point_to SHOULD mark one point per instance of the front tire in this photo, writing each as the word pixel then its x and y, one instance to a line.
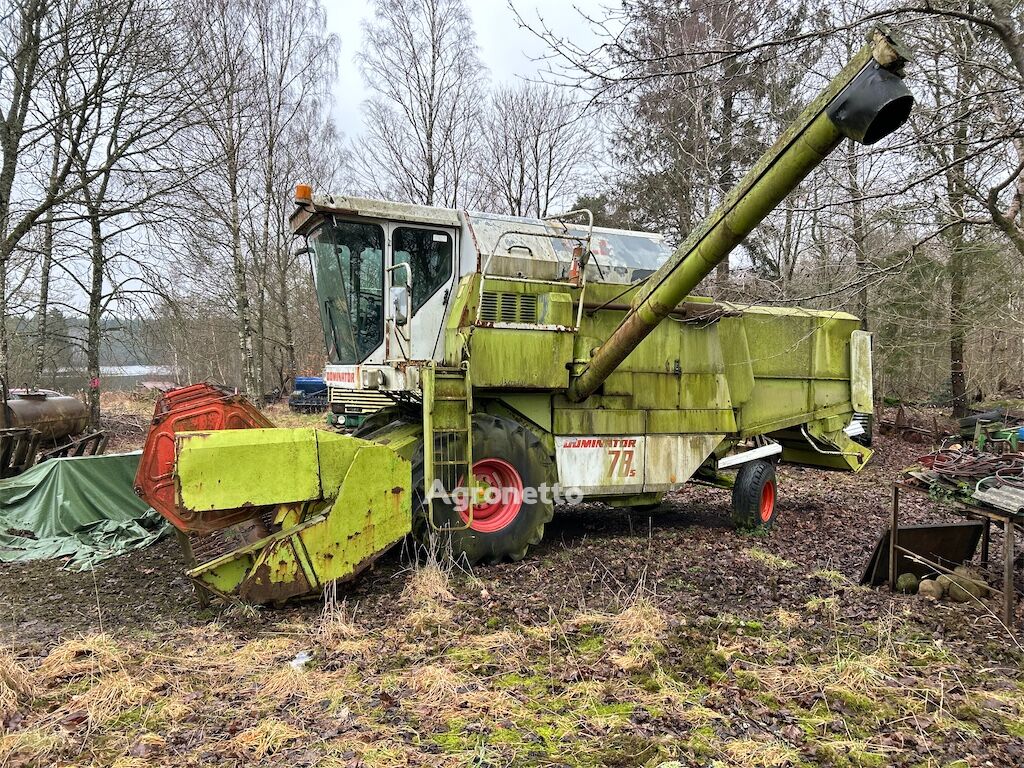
pixel 512 460
pixel 754 495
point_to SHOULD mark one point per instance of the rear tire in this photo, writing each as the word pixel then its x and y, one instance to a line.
pixel 754 495
pixel 510 454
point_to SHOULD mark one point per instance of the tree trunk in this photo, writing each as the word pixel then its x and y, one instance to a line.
pixel 44 301
pixel 291 366
pixel 859 233
pixel 956 238
pixel 245 346
pixel 92 347
pixel 45 268
pixel 727 173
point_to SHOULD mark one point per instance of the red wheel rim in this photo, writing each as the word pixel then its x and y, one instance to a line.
pixel 503 496
pixel 767 501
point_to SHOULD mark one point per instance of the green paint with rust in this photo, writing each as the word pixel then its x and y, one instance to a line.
pixel 800 149
pixel 750 371
pixel 636 361
pixel 356 498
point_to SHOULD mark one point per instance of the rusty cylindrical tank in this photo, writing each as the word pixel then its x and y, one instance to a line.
pixel 53 415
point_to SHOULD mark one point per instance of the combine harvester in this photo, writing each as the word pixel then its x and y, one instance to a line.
pixel 519 356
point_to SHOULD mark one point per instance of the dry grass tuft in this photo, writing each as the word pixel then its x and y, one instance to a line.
pixel 82 657
pixel 769 559
pixel 428 583
pixel 304 683
pixel 335 626
pixel 32 746
pixel 434 682
pixel 428 617
pixel 640 623
pixel 867 674
pixel 131 762
pixel 288 682
pixel 488 702
pixel 510 650
pixel 15 683
pixel 256 654
pixel 747 753
pixel 426 592
pixel 268 737
pixel 788 619
pixel 634 633
pixel 112 695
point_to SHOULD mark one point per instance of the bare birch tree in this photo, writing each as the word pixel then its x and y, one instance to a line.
pixel 536 148
pixel 419 59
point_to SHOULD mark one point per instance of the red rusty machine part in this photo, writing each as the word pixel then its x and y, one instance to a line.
pixel 197 408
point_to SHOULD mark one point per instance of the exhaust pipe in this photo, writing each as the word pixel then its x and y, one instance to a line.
pixel 866 102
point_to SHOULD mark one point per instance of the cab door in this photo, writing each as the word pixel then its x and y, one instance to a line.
pixel 430 253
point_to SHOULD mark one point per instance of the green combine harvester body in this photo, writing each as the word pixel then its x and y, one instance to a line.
pixel 510 364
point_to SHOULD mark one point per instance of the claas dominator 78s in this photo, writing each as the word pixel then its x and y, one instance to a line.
pixel 523 362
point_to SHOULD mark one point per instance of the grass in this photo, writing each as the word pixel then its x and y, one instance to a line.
pixel 769 559
pixel 268 737
pixel 111 696
pixel 15 683
pixel 628 684
pixel 336 628
pixel 82 657
pixel 744 753
pixel 428 595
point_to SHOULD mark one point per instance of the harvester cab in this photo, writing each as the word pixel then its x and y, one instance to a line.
pixel 514 364
pixel 388 276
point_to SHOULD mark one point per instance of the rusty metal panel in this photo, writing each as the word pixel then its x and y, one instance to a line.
pixel 599 421
pixel 671 460
pixel 235 468
pixel 601 465
pixel 526 358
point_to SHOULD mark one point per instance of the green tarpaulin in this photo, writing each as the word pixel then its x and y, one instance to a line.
pixel 80 508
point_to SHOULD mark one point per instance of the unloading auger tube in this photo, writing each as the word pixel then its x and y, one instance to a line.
pixel 865 102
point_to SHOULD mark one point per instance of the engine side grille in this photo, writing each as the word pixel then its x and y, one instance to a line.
pixel 527 308
pixel 358 401
pixel 498 307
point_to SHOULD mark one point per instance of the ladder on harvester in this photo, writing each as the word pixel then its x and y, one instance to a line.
pixel 448 440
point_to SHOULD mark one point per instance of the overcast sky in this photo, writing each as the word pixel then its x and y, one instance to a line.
pixel 505 49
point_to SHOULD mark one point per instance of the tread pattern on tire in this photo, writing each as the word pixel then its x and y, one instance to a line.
pixel 746 494
pixel 493 437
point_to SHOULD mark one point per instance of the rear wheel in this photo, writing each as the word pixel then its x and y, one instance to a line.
pixel 511 468
pixel 754 495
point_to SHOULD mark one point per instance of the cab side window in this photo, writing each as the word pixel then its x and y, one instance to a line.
pixel 429 253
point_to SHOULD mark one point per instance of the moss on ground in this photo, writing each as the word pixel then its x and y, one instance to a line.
pixel 618 687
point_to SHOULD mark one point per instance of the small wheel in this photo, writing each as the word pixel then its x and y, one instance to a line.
pixel 753 495
pixel 510 466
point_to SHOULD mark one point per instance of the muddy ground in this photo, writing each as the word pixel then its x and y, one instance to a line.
pixel 623 639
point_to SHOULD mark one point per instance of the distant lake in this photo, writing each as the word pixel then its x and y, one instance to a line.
pixel 135 370
pixel 114 377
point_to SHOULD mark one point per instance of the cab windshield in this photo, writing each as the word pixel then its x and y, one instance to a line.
pixel 349 269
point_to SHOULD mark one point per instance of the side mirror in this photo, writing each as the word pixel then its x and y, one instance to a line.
pixel 400 304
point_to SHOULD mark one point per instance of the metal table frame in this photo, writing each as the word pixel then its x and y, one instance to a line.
pixel 987 515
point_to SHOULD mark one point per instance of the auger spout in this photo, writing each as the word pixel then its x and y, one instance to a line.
pixel 865 102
